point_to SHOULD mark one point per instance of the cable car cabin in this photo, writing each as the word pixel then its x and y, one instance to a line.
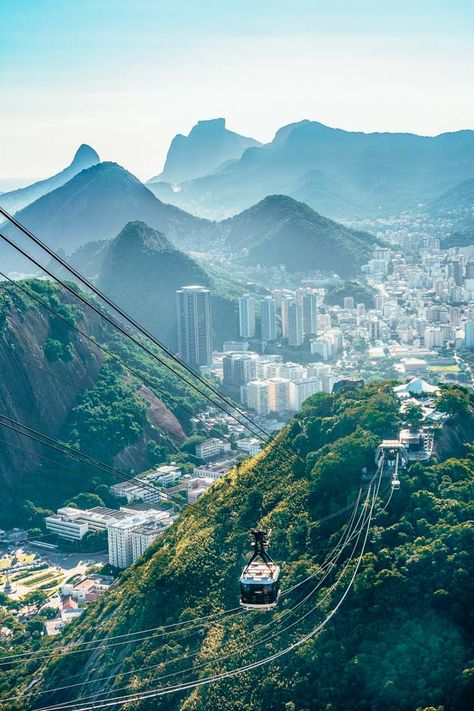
pixel 259 585
pixel 396 484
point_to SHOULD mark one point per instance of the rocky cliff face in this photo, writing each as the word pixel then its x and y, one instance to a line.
pixel 58 382
pixel 34 390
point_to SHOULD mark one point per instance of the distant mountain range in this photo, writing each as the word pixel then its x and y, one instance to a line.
pixel 96 204
pixel 15 200
pixel 342 174
pixel 93 207
pixel 208 146
pixel 280 230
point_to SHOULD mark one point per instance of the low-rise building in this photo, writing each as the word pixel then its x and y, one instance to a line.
pixel 211 448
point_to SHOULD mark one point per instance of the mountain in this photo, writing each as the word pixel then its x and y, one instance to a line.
pixel 97 203
pixel 141 270
pixel 280 230
pixel 455 202
pixel 343 174
pixel 399 639
pixel 15 200
pixel 58 382
pixel 206 148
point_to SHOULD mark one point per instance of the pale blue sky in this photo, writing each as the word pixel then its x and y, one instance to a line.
pixel 126 75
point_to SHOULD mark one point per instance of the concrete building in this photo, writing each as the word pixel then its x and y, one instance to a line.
pixel 239 369
pixel 127 538
pixel 469 334
pixel 134 491
pixel 246 316
pixel 211 448
pixel 268 318
pixel 194 325
pixel 310 312
pixel 72 524
pixel 256 396
pixel 433 336
pixel 251 445
pixel 295 324
pixel 278 394
pixel 302 389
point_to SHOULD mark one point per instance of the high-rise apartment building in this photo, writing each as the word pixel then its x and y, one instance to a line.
pixel 295 323
pixel 278 394
pixel 310 312
pixel 469 334
pixel 256 396
pixel 247 316
pixel 268 318
pixel 194 325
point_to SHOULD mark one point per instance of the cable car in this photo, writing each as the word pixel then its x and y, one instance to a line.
pixel 259 586
pixel 395 483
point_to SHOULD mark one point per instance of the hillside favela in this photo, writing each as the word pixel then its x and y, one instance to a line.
pixel 236 355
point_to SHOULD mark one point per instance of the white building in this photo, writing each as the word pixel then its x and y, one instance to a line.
pixel 251 445
pixel 302 389
pixel 72 524
pixel 469 334
pixel 256 396
pixel 134 491
pixel 433 337
pixel 278 394
pixel 310 312
pixel 295 324
pixel 127 538
pixel 247 316
pixel 268 318
pixel 193 304
pixel 211 448
pixel 322 347
pixel 165 475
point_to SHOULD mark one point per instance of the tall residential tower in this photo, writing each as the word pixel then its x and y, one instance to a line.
pixel 193 305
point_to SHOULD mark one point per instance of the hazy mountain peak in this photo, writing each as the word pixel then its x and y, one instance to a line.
pixel 15 200
pixel 208 145
pixel 138 235
pixel 85 154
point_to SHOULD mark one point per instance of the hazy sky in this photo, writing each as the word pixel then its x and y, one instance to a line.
pixel 126 75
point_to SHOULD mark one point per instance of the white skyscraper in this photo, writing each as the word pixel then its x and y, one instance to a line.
pixel 194 325
pixel 469 334
pixel 310 312
pixel 295 324
pixel 268 318
pixel 247 316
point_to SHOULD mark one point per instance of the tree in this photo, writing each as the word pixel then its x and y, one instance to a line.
pixel 454 401
pixel 413 415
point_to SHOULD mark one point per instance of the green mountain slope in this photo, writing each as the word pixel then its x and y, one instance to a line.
pixel 402 639
pixel 280 230
pixel 56 381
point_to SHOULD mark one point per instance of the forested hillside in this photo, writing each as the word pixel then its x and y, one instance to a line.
pixel 57 381
pixel 400 641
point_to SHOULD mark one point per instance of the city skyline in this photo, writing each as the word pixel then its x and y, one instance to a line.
pixel 126 78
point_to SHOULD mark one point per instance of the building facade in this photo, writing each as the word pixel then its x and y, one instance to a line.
pixel 193 305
